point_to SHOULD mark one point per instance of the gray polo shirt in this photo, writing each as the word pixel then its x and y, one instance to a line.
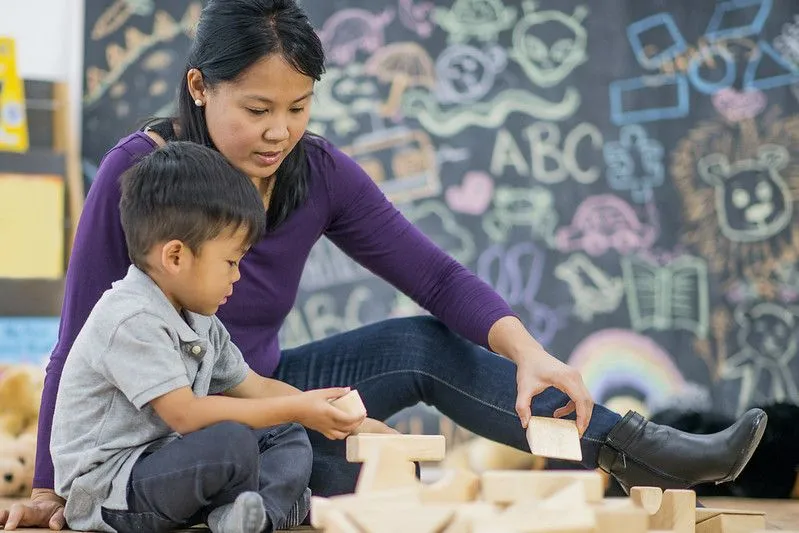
pixel 133 348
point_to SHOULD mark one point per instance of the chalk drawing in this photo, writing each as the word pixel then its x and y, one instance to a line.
pixel 725 22
pixel 401 161
pixel 594 291
pixel 765 52
pixel 416 17
pixel 440 225
pixel 340 97
pixel 515 273
pixel 117 14
pixel 644 89
pixel 530 207
pixel 787 42
pixel 422 106
pixel 667 297
pixel 482 19
pixel 349 31
pixel 634 163
pixel 548 64
pixel 27 339
pixel 473 196
pixel 736 106
pixel 466 74
pixel 767 341
pixel 605 222
pixel 403 65
pixel 656 59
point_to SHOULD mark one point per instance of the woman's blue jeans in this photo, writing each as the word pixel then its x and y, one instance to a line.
pixel 399 362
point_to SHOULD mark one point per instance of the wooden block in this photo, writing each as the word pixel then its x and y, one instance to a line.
pixel 570 496
pixel 554 437
pixel 402 518
pixel 468 513
pixel 506 486
pixel 458 485
pixel 338 522
pixel 677 512
pixel 351 403
pixel 408 447
pixel 706 513
pixel 728 523
pixel 532 518
pixel 648 498
pixel 385 468
pixel 621 519
pixel 320 509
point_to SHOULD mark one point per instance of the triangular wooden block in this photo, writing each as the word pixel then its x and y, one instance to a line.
pixel 554 437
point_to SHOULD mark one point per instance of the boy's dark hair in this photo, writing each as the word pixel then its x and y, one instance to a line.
pixel 188 192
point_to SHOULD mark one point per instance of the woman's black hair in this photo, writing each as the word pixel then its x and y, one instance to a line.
pixel 231 36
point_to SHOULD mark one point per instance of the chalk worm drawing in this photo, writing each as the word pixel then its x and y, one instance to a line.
pixel 667 297
pixel 515 273
pixel 530 207
pixel 473 196
pixel 401 161
pixel 738 183
pixel 117 14
pixel 767 343
pixel 403 65
pixel 349 31
pixel 422 106
pixel 482 19
pixel 550 160
pixel 602 223
pixel 416 17
pixel 438 223
pixel 466 74
pixel 594 291
pixel 634 163
pixel 547 64
pixel 165 28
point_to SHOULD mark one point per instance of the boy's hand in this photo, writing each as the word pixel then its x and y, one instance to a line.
pixel 45 509
pixel 316 412
pixel 370 425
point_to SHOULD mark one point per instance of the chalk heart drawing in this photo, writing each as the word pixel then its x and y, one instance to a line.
pixel 473 196
pixel 605 222
pixel 736 106
pixel 623 368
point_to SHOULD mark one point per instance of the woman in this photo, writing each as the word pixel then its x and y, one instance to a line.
pixel 247 92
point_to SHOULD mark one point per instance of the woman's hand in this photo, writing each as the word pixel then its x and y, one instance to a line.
pixel 315 412
pixel 539 371
pixel 45 509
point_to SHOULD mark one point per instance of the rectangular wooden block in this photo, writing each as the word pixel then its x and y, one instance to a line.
pixel 411 447
pixel 727 523
pixel 554 437
pixel 510 486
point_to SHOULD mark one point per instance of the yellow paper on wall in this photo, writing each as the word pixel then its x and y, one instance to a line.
pixel 13 121
pixel 31 226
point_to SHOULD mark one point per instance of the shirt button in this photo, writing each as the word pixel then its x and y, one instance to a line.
pixel 196 350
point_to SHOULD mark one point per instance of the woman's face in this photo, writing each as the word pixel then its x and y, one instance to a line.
pixel 257 119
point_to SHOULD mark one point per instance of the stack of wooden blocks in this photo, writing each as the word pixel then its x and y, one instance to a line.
pixel 390 498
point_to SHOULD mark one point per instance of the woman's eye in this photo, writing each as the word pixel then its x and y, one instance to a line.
pixel 298 110
pixel 256 111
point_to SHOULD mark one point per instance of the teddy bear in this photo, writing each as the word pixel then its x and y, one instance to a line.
pixel 17 455
pixel 20 396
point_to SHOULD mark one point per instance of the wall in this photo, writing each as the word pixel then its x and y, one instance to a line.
pixel 625 177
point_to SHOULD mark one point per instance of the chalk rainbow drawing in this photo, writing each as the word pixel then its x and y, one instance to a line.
pixel 617 359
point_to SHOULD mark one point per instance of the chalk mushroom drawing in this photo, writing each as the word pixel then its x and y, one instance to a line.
pixel 403 65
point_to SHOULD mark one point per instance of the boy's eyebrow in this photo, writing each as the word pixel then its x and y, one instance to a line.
pixel 268 101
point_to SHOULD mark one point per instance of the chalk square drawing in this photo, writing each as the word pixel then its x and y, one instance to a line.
pixel 724 24
pixel 750 80
pixel 554 437
pixel 665 297
pixel 657 21
pixel 676 83
pixel 27 339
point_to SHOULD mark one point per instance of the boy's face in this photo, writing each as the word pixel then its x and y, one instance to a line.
pixel 207 280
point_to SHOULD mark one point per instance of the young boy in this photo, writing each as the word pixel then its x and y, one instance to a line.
pixel 159 422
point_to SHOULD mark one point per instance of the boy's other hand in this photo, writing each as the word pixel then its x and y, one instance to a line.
pixel 44 509
pixel 315 412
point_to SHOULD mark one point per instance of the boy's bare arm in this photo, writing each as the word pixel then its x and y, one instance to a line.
pixel 257 386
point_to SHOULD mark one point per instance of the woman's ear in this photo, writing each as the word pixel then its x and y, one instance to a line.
pixel 196 85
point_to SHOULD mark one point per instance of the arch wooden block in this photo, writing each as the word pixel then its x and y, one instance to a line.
pixel 672 510
pixel 458 485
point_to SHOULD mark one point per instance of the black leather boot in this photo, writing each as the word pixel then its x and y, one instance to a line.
pixel 641 453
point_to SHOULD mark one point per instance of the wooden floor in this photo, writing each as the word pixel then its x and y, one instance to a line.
pixel 780 514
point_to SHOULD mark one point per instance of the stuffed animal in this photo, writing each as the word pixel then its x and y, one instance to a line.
pixel 17 457
pixel 20 396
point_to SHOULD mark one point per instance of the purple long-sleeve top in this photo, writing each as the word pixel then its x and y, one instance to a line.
pixel 343 204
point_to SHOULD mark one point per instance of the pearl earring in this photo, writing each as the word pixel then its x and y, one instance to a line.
pixel 198 102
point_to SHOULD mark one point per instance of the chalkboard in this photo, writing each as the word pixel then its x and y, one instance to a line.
pixel 624 175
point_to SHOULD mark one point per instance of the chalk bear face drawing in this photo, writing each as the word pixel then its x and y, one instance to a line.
pixel 753 201
pixel 769 330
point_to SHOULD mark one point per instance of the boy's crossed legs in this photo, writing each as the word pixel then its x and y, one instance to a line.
pixel 212 475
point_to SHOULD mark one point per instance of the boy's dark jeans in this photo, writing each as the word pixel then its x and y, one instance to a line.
pixel 179 484
pixel 398 363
